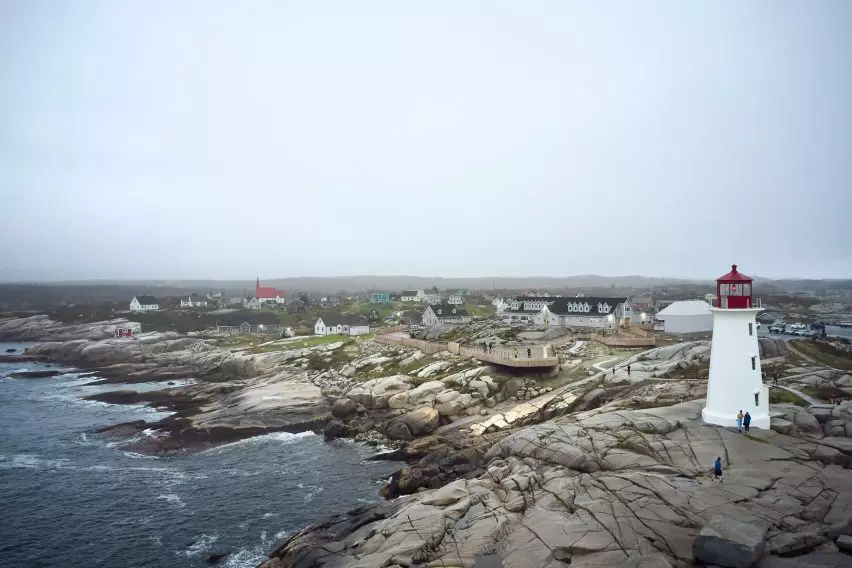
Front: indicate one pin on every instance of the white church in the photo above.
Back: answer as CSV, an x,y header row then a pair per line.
x,y
735,381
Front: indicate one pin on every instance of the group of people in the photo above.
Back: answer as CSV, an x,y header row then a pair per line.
x,y
743,421
489,348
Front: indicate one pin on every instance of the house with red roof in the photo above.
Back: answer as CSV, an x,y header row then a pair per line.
x,y
264,294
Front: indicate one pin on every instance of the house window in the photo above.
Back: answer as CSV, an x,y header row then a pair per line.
x,y
757,399
754,363
750,329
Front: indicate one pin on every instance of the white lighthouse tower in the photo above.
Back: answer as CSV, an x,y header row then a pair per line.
x,y
735,381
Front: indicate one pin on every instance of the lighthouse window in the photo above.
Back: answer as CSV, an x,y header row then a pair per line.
x,y
754,363
756,399
750,329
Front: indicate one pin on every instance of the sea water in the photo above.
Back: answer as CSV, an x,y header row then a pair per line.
x,y
71,499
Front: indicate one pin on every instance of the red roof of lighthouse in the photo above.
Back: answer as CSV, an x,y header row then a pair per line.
x,y
734,276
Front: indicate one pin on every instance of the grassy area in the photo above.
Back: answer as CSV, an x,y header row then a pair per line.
x,y
480,311
303,343
825,393
825,353
779,396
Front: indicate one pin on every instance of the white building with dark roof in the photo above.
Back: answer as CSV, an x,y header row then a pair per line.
x,y
408,296
687,316
554,311
341,325
444,313
144,304
193,301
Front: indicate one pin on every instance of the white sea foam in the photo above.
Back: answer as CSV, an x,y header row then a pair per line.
x,y
248,557
279,437
313,490
174,499
33,461
202,543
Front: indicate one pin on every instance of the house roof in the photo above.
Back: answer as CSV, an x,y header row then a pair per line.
x,y
563,306
338,319
685,308
409,293
146,300
264,293
448,311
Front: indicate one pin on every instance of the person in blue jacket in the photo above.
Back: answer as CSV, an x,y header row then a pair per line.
x,y
747,421
717,469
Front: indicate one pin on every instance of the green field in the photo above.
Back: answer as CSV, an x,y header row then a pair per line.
x,y
825,353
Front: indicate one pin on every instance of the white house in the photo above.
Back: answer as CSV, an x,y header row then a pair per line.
x,y
553,311
253,303
408,296
144,304
193,301
421,295
444,313
341,325
433,299
455,300
688,316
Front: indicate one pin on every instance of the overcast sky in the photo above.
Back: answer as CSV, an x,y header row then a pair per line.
x,y
174,139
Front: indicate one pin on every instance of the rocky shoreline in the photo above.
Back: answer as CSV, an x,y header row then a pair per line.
x,y
608,468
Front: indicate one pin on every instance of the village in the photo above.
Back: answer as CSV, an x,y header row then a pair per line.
x,y
626,317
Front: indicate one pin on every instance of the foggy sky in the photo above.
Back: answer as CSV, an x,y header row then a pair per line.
x,y
233,139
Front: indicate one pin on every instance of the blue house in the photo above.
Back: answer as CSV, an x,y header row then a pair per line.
x,y
379,298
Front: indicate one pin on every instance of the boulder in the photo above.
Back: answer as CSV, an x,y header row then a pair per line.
x,y
844,542
399,400
844,381
787,543
456,406
376,392
398,431
448,494
446,396
422,420
726,541
433,368
425,393
782,426
335,429
807,423
344,408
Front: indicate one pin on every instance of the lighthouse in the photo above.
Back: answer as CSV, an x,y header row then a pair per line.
x,y
735,381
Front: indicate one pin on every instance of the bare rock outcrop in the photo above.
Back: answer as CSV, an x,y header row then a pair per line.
x,y
599,488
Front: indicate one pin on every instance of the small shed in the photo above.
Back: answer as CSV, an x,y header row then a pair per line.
x,y
687,316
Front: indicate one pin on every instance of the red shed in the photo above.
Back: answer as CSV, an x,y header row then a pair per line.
x,y
733,290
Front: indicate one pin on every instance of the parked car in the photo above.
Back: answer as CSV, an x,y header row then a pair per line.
x,y
776,329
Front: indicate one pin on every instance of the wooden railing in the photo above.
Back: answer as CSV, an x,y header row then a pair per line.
x,y
428,347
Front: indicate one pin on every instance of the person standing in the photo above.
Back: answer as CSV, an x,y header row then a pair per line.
x,y
746,421
775,378
516,352
628,370
740,421
717,468
529,353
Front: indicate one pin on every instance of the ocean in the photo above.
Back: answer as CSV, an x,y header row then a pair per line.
x,y
72,499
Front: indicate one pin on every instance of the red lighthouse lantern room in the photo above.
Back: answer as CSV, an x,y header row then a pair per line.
x,y
733,290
